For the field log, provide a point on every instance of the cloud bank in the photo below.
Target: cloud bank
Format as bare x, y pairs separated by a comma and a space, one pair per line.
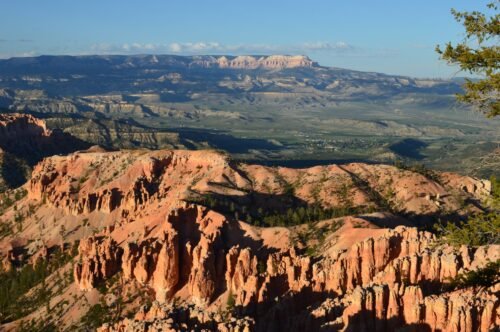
193, 48
313, 49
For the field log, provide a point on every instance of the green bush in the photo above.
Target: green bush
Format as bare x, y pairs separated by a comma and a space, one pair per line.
13, 285
293, 215
231, 302
495, 187
16, 283
495, 193
37, 326
484, 277
97, 315
478, 230
418, 168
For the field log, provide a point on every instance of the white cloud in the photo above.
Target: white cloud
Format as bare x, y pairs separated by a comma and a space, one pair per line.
176, 47
106, 48
204, 47
193, 48
207, 47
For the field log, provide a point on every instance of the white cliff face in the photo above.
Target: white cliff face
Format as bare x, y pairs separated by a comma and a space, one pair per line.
267, 62
254, 62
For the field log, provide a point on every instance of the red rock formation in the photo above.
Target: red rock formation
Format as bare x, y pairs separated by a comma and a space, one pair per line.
23, 134
156, 262
131, 182
100, 259
479, 187
242, 278
164, 317
371, 308
384, 308
166, 274
21, 126
6, 265
377, 284
190, 253
203, 277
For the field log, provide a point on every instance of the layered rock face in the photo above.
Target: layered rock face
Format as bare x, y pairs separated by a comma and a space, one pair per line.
100, 260
266, 62
22, 134
25, 140
17, 126
167, 317
379, 284
189, 253
384, 308
129, 181
159, 224
248, 62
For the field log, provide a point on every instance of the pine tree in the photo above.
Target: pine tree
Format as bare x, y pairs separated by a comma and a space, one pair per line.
478, 54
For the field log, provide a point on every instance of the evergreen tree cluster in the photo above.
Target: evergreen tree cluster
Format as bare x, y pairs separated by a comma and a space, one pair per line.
294, 214
478, 54
479, 229
16, 283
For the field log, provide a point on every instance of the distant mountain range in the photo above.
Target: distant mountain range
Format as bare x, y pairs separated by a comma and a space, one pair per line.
267, 108
99, 74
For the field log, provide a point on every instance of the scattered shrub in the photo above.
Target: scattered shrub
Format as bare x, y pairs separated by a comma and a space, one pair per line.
478, 230
484, 277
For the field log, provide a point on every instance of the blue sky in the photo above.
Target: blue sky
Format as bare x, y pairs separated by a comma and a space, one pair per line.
390, 36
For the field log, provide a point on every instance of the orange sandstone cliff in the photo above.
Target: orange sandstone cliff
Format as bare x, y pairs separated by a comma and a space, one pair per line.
187, 240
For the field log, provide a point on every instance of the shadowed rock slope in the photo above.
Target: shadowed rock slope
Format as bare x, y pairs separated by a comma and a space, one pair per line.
24, 141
